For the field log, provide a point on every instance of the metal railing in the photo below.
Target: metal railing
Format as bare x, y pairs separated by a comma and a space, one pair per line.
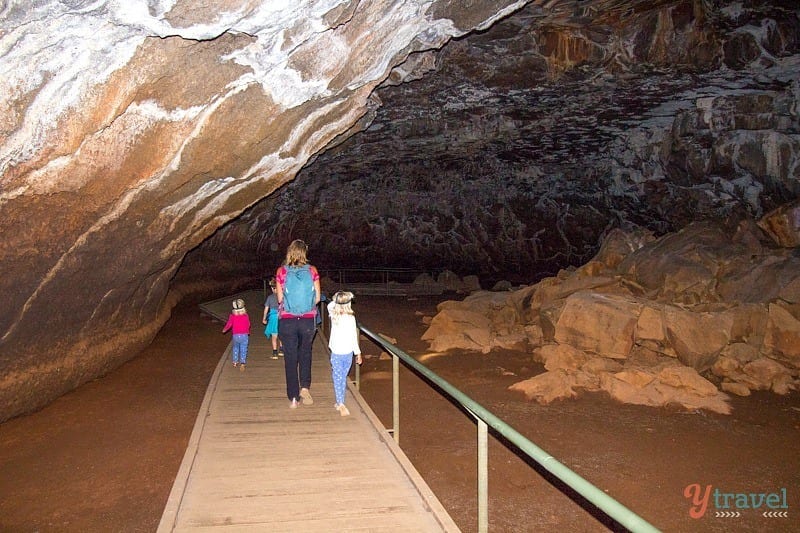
372, 275
485, 419
383, 281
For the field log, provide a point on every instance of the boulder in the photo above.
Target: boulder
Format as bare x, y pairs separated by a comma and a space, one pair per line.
599, 365
759, 279
560, 356
790, 292
450, 281
548, 387
471, 283
505, 320
782, 336
637, 378
682, 377
681, 265
617, 386
748, 323
548, 318
599, 323
649, 331
766, 372
512, 341
619, 243
783, 224
783, 384
534, 334
739, 389
740, 352
551, 290
521, 300
502, 285
697, 338
454, 328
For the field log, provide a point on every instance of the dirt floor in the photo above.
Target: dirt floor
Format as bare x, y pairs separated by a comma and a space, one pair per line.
103, 458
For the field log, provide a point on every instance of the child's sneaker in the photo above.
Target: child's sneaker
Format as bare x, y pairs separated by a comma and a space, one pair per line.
274, 354
294, 404
241, 367
306, 396
235, 364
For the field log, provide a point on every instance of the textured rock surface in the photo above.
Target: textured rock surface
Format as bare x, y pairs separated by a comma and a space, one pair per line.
131, 131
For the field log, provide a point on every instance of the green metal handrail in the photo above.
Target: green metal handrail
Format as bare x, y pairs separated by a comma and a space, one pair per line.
484, 417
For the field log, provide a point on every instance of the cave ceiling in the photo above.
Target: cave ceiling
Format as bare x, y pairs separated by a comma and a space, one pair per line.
520, 146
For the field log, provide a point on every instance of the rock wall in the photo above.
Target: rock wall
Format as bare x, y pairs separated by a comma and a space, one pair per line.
131, 131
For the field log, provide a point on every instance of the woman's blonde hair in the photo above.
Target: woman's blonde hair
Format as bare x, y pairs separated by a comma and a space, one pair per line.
296, 253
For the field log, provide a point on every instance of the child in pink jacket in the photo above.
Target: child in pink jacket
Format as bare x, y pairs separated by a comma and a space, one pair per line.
239, 322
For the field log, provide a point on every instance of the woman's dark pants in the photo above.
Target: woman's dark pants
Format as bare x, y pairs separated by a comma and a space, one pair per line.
297, 337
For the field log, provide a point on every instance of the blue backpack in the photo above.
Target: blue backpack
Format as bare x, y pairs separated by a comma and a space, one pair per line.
299, 295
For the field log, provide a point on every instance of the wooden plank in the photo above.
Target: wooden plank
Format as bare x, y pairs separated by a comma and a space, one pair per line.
253, 464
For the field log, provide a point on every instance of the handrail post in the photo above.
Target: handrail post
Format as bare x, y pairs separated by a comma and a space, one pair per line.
396, 398
483, 476
358, 377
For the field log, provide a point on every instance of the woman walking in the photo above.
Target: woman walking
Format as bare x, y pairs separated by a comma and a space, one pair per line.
298, 290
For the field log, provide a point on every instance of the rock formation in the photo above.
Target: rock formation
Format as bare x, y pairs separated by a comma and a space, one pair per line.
674, 320
149, 150
131, 131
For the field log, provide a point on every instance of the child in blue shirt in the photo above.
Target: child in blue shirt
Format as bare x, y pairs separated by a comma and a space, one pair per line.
271, 319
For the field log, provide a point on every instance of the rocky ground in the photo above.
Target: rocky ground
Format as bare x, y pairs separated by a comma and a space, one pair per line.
103, 457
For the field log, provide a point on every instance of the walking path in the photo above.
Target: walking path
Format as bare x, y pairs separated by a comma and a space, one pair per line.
253, 464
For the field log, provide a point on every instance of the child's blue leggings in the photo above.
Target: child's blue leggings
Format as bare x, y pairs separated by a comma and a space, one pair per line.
239, 350
340, 366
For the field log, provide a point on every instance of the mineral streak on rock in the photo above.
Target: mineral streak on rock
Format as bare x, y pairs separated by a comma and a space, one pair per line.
131, 131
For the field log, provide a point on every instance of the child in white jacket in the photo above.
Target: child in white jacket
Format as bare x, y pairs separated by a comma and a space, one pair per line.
343, 344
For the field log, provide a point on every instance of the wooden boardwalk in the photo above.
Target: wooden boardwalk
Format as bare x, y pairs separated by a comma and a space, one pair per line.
253, 464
